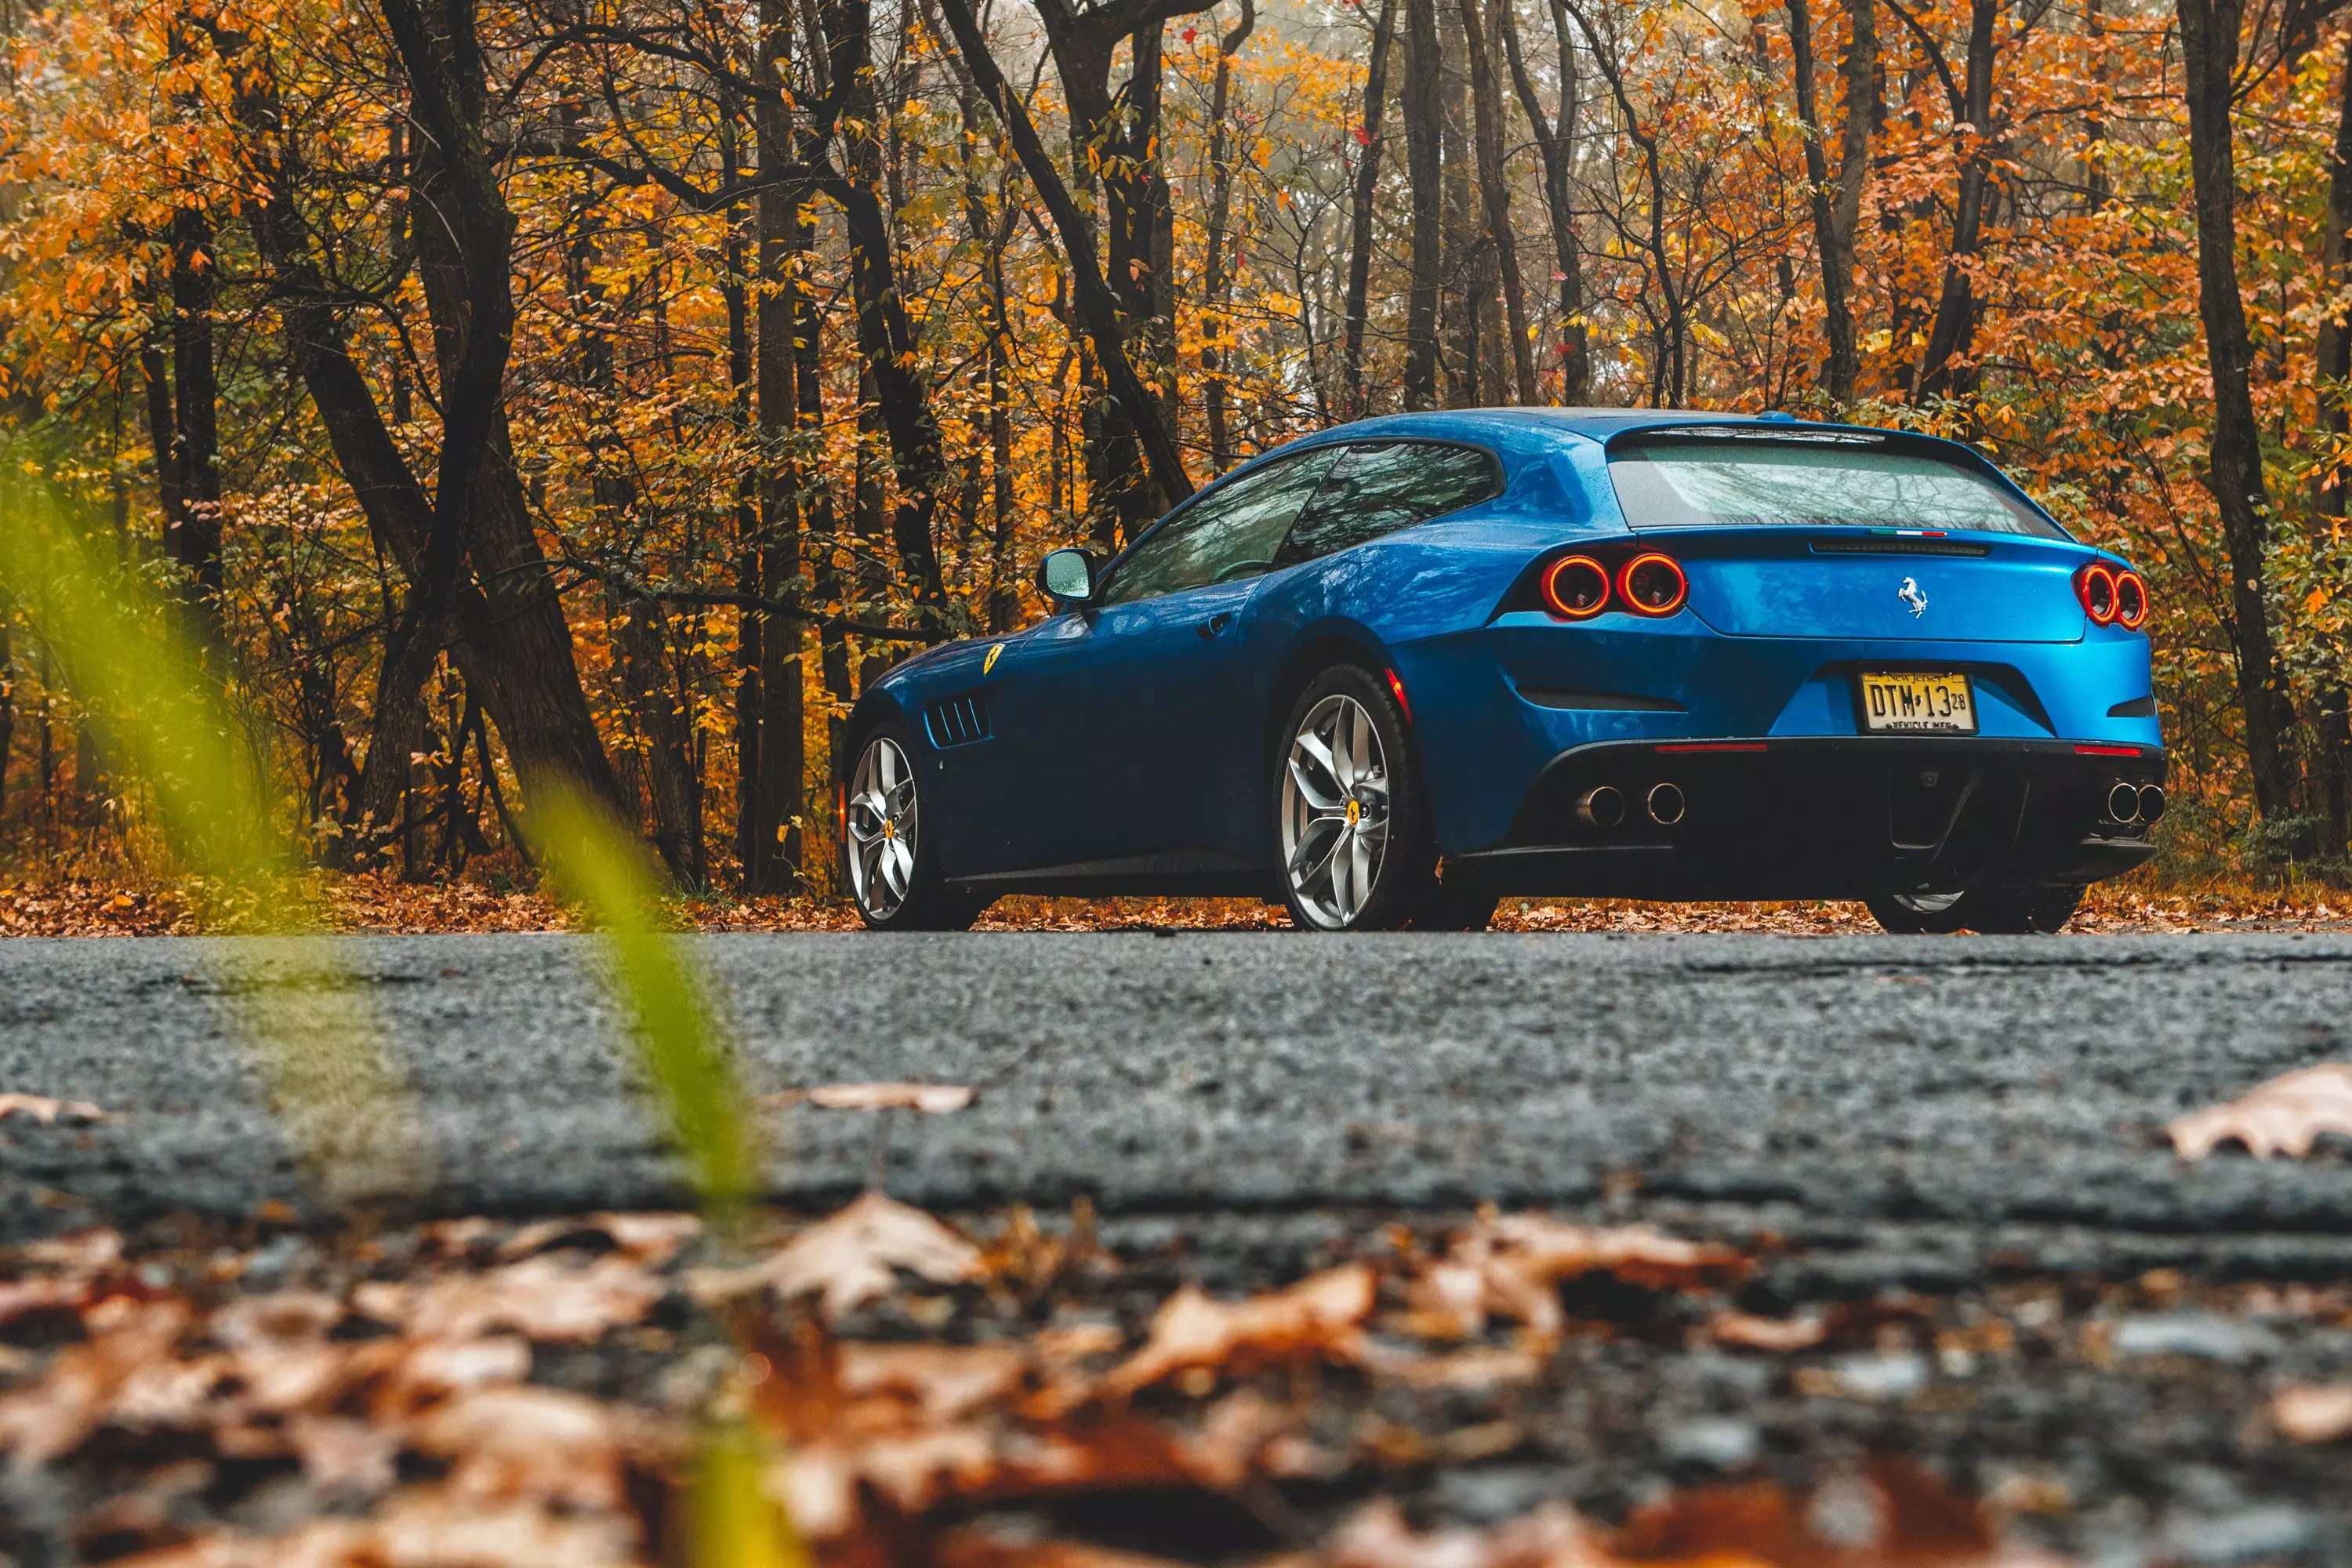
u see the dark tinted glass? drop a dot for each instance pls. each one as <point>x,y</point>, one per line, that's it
<point>1376,489</point>
<point>1738,480</point>
<point>1229,533</point>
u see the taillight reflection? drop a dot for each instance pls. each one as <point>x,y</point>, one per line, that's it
<point>1575,587</point>
<point>2095,585</point>
<point>2131,600</point>
<point>1653,584</point>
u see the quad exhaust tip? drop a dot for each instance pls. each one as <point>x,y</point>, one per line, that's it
<point>2124,803</point>
<point>1665,804</point>
<point>1603,806</point>
<point>2151,803</point>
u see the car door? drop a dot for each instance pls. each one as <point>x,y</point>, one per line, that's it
<point>1111,714</point>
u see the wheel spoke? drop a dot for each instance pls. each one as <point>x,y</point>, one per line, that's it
<point>1308,837</point>
<point>1319,799</point>
<point>1312,747</point>
<point>1344,899</point>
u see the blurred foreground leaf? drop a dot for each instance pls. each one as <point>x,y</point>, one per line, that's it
<point>168,725</point>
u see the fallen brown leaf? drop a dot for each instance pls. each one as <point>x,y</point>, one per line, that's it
<point>542,1444</point>
<point>651,1239</point>
<point>2313,1412</point>
<point>930,1098</point>
<point>1377,1536</point>
<point>1512,1266</point>
<point>1894,1515</point>
<point>128,1342</point>
<point>1320,1316</point>
<point>2283,1115</point>
<point>543,1297</point>
<point>1751,1333</point>
<point>851,1259</point>
<point>45,1111</point>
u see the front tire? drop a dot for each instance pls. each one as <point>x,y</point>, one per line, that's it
<point>1993,912</point>
<point>891,859</point>
<point>1349,815</point>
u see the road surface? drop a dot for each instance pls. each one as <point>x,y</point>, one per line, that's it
<point>1899,1106</point>
<point>1959,1137</point>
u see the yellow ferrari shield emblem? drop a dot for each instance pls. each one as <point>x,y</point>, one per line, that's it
<point>989,663</point>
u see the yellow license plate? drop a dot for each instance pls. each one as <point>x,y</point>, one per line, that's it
<point>1917,704</point>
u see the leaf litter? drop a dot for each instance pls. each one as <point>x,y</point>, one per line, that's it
<point>428,1404</point>
<point>2286,1115</point>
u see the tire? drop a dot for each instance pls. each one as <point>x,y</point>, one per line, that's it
<point>1993,912</point>
<point>1350,821</point>
<point>889,860</point>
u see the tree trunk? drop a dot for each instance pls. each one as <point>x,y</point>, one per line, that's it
<point>2332,369</point>
<point>1484,50</point>
<point>1424,150</point>
<point>517,649</point>
<point>1372,139</point>
<point>1944,366</point>
<point>1837,206</point>
<point>1555,145</point>
<point>195,543</point>
<point>1216,282</point>
<point>885,337</point>
<point>1466,266</point>
<point>1671,328</point>
<point>2209,47</point>
<point>776,767</point>
<point>1097,308</point>
<point>641,635</point>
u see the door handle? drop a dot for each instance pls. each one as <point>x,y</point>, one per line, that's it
<point>1214,626</point>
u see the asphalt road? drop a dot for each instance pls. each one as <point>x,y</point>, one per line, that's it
<point>1951,1147</point>
<point>1900,1110</point>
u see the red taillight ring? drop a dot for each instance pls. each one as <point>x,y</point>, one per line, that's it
<point>1575,607</point>
<point>2129,618</point>
<point>2083,580</point>
<point>1625,584</point>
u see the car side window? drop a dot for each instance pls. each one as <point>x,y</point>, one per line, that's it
<point>1230,534</point>
<point>1379,488</point>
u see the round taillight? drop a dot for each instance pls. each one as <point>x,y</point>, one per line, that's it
<point>1575,587</point>
<point>2095,584</point>
<point>1653,584</point>
<point>2131,600</point>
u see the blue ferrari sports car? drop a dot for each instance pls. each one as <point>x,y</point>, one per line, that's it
<point>1389,673</point>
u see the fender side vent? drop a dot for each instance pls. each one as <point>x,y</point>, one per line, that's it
<point>957,721</point>
<point>1897,547</point>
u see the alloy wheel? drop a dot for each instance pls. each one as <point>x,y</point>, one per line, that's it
<point>882,826</point>
<point>1334,811</point>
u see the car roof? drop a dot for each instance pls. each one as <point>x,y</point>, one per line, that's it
<point>1515,427</point>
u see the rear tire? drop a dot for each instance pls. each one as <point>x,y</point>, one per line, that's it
<point>1350,823</point>
<point>1993,912</point>
<point>890,859</point>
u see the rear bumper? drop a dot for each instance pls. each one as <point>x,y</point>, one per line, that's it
<point>1823,817</point>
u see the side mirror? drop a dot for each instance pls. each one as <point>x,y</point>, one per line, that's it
<point>1067,576</point>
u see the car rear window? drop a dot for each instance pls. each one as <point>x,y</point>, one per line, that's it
<point>1379,488</point>
<point>1727,480</point>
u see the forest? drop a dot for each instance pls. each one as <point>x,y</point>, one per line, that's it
<point>499,389</point>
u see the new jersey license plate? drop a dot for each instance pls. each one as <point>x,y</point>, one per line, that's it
<point>1912,703</point>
